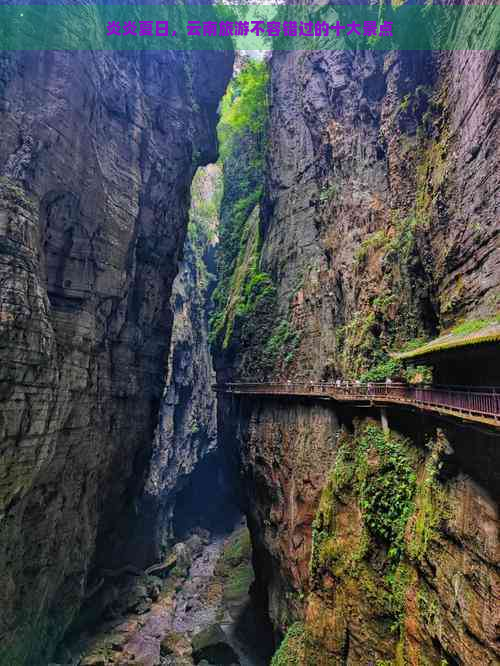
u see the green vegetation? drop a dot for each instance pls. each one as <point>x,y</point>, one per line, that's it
<point>243,290</point>
<point>291,650</point>
<point>474,325</point>
<point>356,344</point>
<point>400,302</point>
<point>386,496</point>
<point>246,313</point>
<point>414,101</point>
<point>237,550</point>
<point>431,172</point>
<point>384,492</point>
<point>387,368</point>
<point>414,344</point>
<point>372,242</point>
<point>206,192</point>
<point>13,191</point>
<point>402,244</point>
<point>204,213</point>
<point>418,374</point>
<point>238,582</point>
<point>390,367</point>
<point>234,566</point>
<point>284,340</point>
<point>234,226</point>
<point>405,103</point>
<point>457,337</point>
<point>365,343</point>
<point>398,580</point>
<point>400,515</point>
<point>248,286</point>
<point>328,193</point>
<point>431,504</point>
<point>380,509</point>
<point>244,109</point>
<point>393,311</point>
<point>428,605</point>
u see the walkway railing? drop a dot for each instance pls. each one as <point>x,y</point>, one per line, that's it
<point>476,404</point>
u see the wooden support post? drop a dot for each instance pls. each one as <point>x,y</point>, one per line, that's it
<point>384,420</point>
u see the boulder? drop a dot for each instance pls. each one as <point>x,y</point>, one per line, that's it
<point>175,643</point>
<point>211,645</point>
<point>93,660</point>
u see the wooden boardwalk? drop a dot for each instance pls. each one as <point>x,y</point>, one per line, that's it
<point>480,404</point>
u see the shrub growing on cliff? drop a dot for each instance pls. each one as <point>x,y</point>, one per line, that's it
<point>419,374</point>
<point>386,494</point>
<point>379,472</point>
<point>379,373</point>
<point>291,652</point>
<point>431,502</point>
<point>284,340</point>
<point>243,287</point>
<point>244,107</point>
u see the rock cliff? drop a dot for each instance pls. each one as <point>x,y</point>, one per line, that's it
<point>378,228</point>
<point>97,153</point>
<point>371,547</point>
<point>187,485</point>
<point>382,199</point>
<point>359,217</point>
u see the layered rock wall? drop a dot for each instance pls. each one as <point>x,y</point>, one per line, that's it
<point>97,152</point>
<point>187,486</point>
<point>379,222</point>
<point>382,205</point>
<point>379,227</point>
<point>371,548</point>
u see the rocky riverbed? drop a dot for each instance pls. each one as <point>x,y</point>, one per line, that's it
<point>200,613</point>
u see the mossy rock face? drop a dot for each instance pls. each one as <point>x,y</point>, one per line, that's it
<point>211,645</point>
<point>136,599</point>
<point>238,583</point>
<point>209,636</point>
<point>291,652</point>
<point>183,559</point>
<point>235,568</point>
<point>176,644</point>
<point>94,660</point>
<point>237,551</point>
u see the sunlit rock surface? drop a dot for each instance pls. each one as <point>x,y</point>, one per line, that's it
<point>379,227</point>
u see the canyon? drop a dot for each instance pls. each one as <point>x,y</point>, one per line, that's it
<point>97,155</point>
<point>375,534</point>
<point>169,223</point>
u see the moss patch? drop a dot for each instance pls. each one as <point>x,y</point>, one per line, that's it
<point>381,508</point>
<point>291,652</point>
<point>472,332</point>
<point>238,583</point>
<point>431,504</point>
<point>235,567</point>
<point>243,288</point>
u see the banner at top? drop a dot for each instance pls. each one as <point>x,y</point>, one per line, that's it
<point>383,26</point>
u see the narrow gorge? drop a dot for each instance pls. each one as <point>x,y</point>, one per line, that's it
<point>249,342</point>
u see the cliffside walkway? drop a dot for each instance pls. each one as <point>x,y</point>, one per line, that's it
<point>481,404</point>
